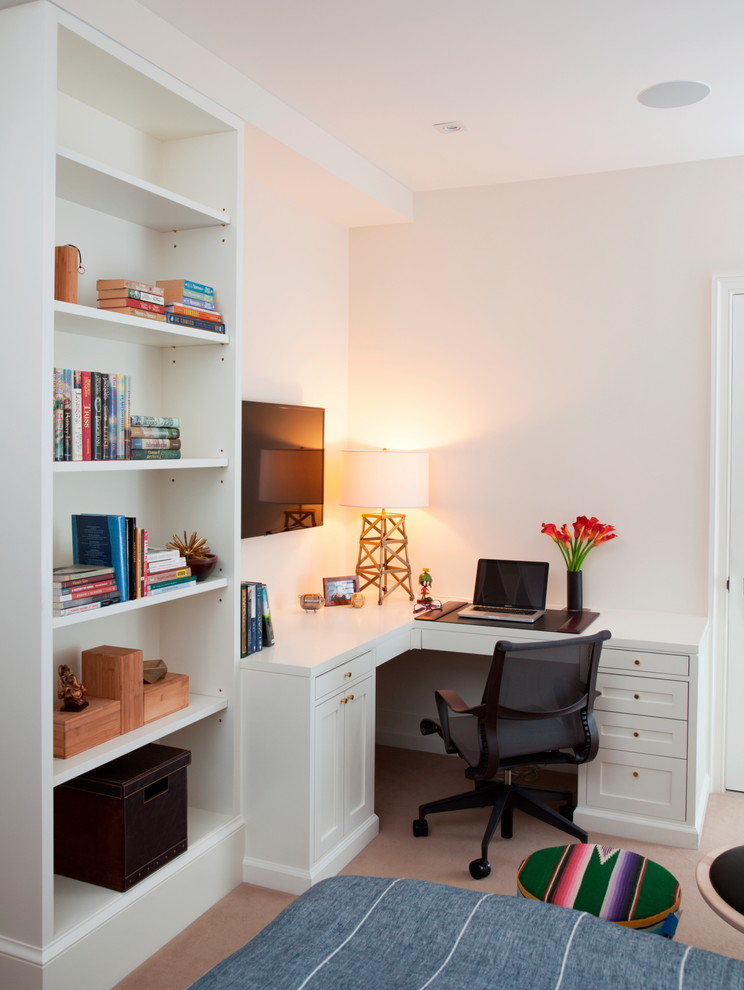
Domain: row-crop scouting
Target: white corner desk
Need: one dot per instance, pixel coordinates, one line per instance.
(308, 730)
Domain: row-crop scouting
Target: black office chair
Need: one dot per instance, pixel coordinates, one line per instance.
(537, 708)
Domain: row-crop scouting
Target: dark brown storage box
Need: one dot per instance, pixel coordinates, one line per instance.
(117, 824)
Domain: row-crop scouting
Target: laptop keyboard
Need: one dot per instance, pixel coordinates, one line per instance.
(503, 611)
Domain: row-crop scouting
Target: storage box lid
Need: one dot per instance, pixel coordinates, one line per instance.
(134, 771)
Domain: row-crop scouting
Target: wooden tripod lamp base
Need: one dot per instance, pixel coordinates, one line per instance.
(384, 477)
(383, 554)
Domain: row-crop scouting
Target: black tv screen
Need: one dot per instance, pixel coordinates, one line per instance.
(282, 468)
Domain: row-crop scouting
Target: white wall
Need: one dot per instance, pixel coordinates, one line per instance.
(550, 342)
(296, 350)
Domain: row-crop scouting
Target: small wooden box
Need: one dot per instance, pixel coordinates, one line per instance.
(166, 695)
(78, 731)
(116, 672)
(118, 823)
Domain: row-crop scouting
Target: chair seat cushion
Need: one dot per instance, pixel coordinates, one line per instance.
(615, 884)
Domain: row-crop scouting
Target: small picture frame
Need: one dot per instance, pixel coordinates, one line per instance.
(338, 590)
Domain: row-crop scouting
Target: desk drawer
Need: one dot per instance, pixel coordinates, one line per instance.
(343, 675)
(640, 660)
(459, 641)
(642, 696)
(642, 734)
(653, 786)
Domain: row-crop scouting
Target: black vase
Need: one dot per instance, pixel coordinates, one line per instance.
(574, 591)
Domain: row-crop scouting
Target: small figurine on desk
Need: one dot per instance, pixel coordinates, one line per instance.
(425, 582)
(70, 690)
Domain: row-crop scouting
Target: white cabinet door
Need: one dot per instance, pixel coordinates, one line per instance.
(329, 774)
(344, 764)
(359, 741)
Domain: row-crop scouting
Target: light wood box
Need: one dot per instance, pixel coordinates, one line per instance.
(116, 672)
(77, 731)
(165, 696)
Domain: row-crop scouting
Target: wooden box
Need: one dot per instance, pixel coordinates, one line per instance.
(166, 695)
(117, 824)
(77, 731)
(116, 672)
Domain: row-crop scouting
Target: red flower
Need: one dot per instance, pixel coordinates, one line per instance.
(587, 533)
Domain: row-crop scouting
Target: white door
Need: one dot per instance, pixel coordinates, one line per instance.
(734, 762)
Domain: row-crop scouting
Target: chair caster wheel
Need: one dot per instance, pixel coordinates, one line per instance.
(420, 827)
(479, 869)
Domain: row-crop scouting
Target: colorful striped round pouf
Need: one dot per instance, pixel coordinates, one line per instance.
(614, 884)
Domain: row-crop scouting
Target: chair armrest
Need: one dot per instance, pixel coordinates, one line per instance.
(448, 701)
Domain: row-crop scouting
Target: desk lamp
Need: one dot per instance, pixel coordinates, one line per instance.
(292, 477)
(398, 478)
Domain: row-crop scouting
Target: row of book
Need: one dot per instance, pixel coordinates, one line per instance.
(180, 301)
(92, 421)
(113, 562)
(90, 415)
(256, 627)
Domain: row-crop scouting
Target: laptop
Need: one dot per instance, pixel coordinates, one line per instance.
(509, 591)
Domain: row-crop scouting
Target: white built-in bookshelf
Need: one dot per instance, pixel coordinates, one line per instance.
(144, 176)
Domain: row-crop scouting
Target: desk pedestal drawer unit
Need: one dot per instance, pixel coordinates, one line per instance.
(647, 779)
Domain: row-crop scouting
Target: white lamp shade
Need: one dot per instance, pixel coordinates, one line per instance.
(388, 479)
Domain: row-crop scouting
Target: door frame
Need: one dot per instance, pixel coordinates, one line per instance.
(726, 287)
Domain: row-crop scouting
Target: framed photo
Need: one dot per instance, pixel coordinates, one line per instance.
(338, 590)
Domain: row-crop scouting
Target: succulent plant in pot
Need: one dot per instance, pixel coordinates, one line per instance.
(198, 556)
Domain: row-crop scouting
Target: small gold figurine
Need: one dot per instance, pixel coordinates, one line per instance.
(70, 690)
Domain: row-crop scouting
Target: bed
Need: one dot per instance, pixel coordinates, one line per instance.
(371, 933)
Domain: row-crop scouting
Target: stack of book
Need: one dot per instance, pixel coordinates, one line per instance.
(90, 415)
(191, 304)
(81, 587)
(154, 438)
(167, 570)
(256, 627)
(121, 295)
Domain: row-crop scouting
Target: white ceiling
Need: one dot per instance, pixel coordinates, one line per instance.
(543, 87)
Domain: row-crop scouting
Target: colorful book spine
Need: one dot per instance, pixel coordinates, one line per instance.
(185, 286)
(155, 432)
(194, 323)
(123, 293)
(268, 625)
(59, 414)
(131, 311)
(198, 314)
(87, 415)
(155, 455)
(125, 283)
(77, 416)
(153, 443)
(125, 303)
(195, 300)
(137, 420)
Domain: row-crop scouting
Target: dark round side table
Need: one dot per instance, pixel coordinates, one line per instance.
(720, 878)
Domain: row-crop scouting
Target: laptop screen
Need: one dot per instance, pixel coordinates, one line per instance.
(511, 584)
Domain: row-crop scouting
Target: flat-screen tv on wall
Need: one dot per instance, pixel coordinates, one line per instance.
(282, 468)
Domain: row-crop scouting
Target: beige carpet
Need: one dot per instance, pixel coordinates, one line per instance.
(404, 780)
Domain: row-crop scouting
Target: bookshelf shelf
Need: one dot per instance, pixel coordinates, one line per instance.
(199, 707)
(90, 322)
(77, 903)
(184, 464)
(138, 603)
(109, 190)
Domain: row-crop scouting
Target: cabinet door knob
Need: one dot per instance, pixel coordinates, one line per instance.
(635, 773)
(637, 663)
(635, 734)
(351, 697)
(342, 701)
(636, 696)
(347, 673)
